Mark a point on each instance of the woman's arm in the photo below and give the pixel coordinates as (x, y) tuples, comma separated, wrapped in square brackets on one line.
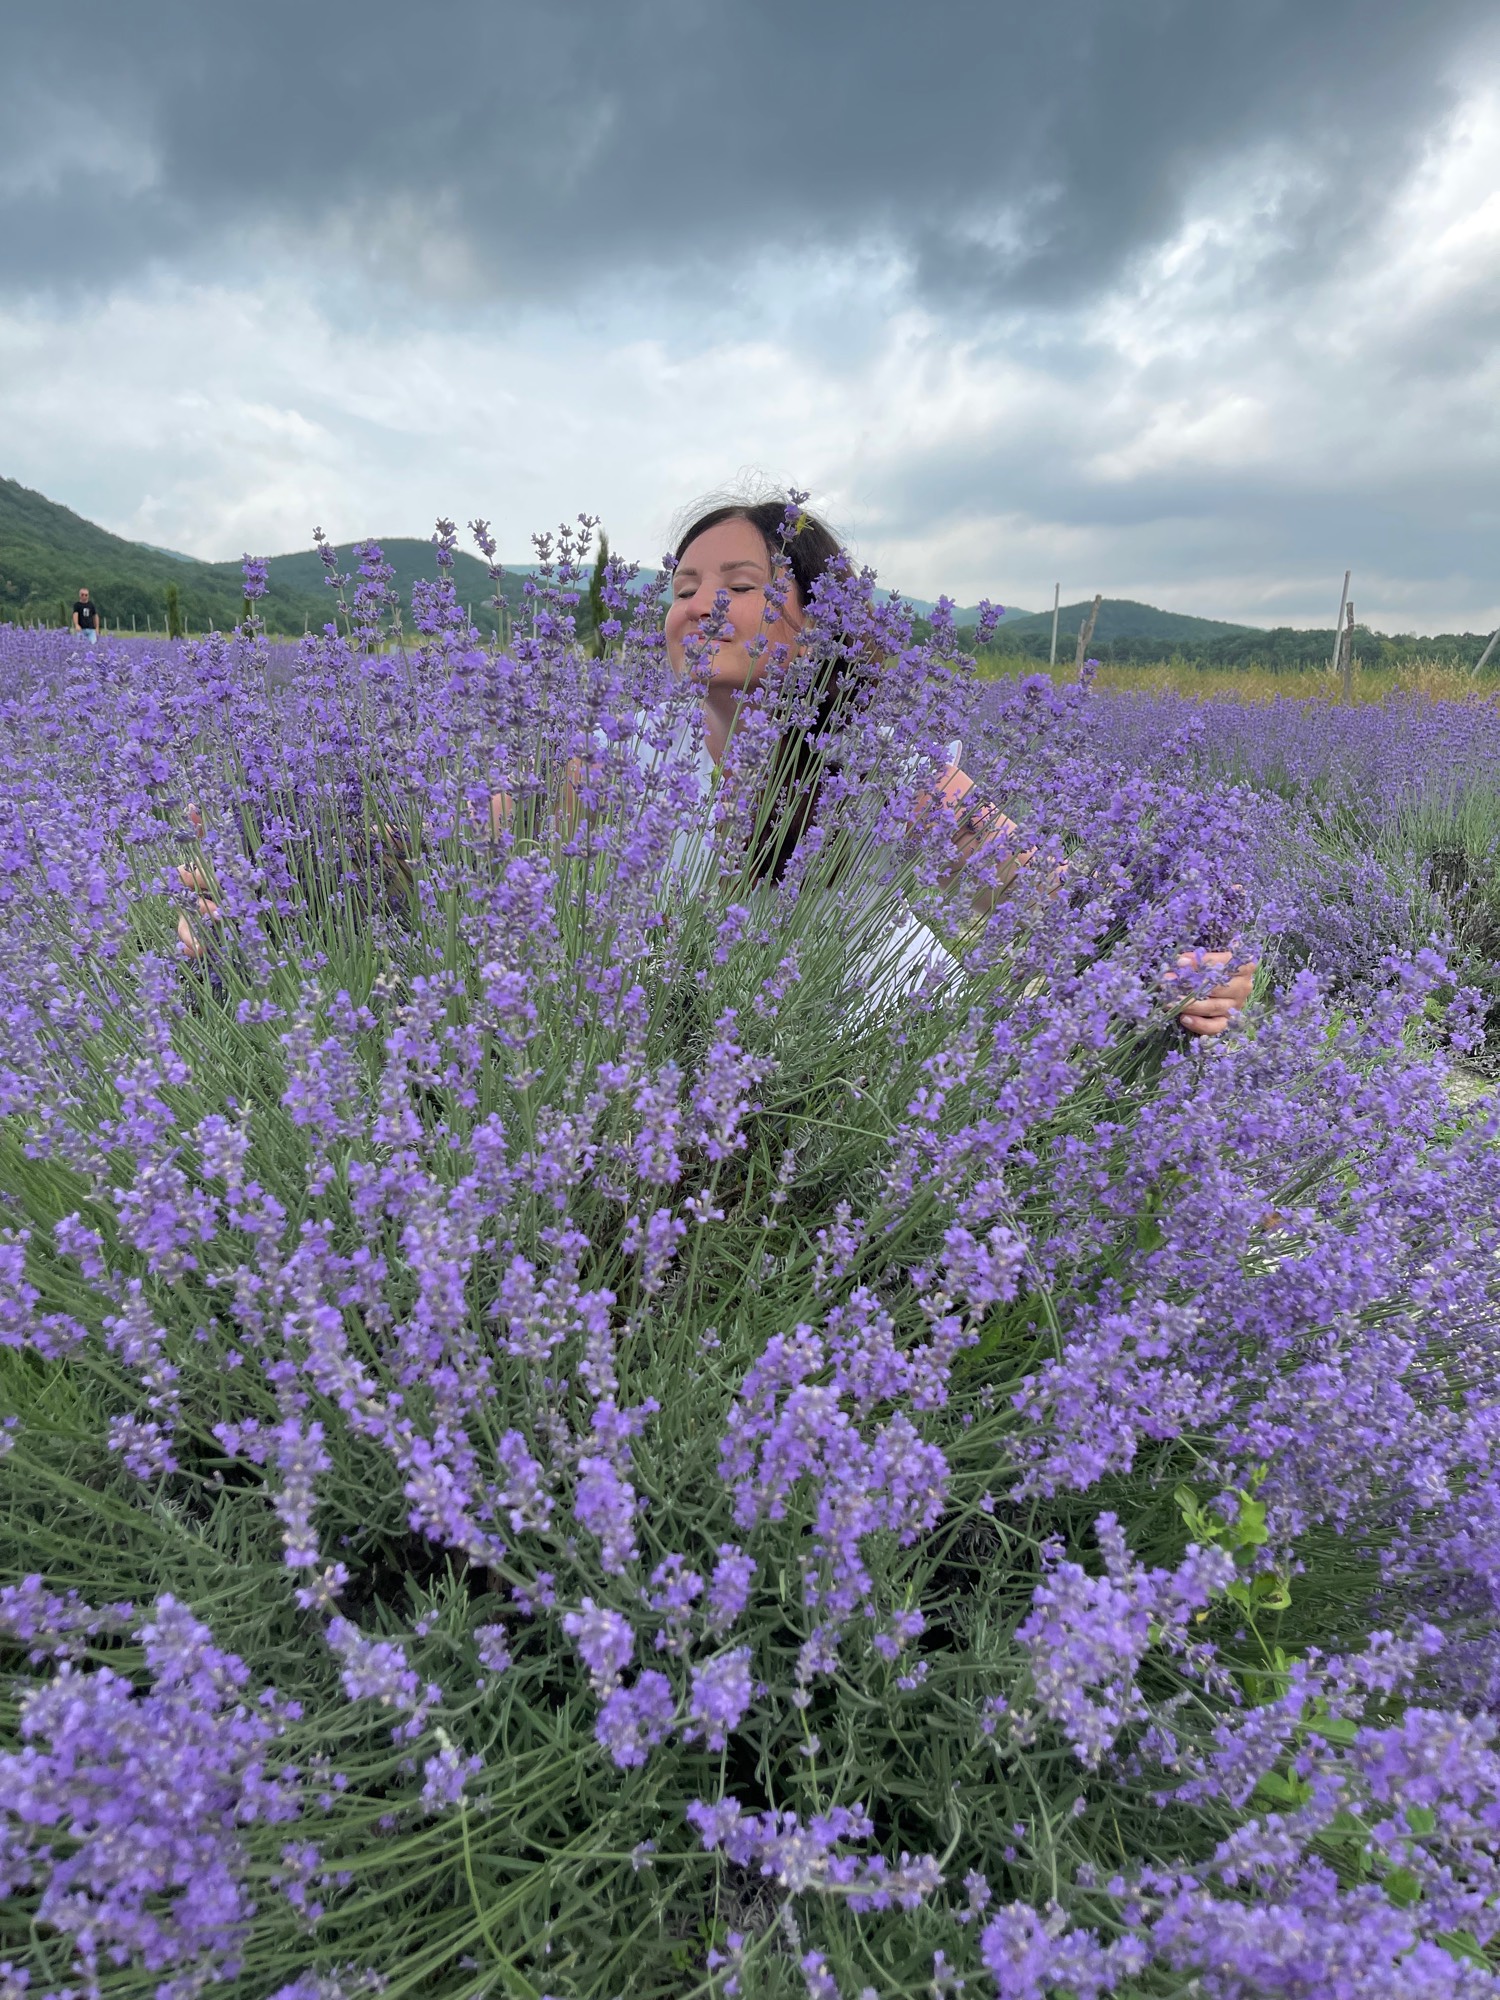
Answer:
[(391, 851), (1209, 1014), (980, 825), (195, 879), (570, 809)]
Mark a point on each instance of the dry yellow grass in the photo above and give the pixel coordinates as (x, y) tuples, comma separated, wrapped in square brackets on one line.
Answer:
[(1435, 680)]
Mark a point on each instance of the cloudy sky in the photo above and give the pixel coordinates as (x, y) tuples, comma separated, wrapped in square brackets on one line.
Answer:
[(1196, 301)]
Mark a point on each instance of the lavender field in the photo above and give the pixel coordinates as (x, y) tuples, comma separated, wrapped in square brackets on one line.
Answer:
[(577, 1422), (1375, 829)]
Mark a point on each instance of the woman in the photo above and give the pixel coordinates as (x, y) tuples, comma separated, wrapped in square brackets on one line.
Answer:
[(744, 577), (725, 563)]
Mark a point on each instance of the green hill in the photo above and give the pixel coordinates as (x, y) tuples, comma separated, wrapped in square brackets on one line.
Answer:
[(1121, 622), (964, 615), (47, 551), (300, 576)]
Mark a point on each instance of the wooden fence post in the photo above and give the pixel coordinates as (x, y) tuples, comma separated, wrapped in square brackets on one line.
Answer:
[(1086, 634), (1347, 638), (1056, 599), (1338, 624)]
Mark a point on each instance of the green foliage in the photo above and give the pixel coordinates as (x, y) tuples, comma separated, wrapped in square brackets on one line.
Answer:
[(1244, 1535), (546, 1883), (564, 1873), (597, 609), (1139, 635)]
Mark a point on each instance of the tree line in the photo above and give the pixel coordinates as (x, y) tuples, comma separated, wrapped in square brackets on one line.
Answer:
[(1288, 649)]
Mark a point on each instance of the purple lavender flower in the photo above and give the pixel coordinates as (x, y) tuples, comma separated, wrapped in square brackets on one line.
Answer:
[(1028, 1960), (803, 1856), (675, 1588), (633, 1720), (145, 1447), (525, 1498), (1087, 1635), (445, 1775), (604, 1504), (345, 1984), (719, 1698), (603, 1639), (149, 1791), (377, 1670), (728, 1589), (21, 1325), (491, 1644), (52, 1625)]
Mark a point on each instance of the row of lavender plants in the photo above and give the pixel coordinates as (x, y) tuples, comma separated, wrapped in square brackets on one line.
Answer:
[(1379, 824), (565, 1433)]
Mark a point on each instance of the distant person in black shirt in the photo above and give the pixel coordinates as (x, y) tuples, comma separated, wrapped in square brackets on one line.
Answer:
[(86, 617)]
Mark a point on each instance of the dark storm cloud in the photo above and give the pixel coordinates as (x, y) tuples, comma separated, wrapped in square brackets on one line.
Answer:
[(1015, 153)]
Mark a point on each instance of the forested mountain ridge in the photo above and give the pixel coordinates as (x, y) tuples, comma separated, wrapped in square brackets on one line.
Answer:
[(1119, 618), (47, 551), (302, 575)]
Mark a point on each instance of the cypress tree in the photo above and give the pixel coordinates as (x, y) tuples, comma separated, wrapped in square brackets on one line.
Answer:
[(598, 610)]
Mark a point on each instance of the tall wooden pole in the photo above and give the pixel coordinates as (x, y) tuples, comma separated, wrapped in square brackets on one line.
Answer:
[(1484, 657), (1056, 600), (1347, 637), (1338, 624), (1086, 634)]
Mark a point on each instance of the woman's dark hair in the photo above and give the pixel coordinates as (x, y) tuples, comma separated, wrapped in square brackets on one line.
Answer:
[(807, 549), (801, 544)]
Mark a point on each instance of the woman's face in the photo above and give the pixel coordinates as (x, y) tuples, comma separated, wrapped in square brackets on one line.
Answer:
[(731, 557)]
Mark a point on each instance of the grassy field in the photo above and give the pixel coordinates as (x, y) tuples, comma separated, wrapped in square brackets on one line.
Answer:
[(1438, 680)]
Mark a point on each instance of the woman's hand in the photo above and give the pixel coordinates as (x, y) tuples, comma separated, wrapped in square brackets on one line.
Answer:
[(568, 813), (390, 850), (1212, 1012), (1209, 1014), (977, 829), (194, 878), (978, 826)]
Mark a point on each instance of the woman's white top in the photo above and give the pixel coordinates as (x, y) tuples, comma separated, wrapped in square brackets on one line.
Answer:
[(906, 958)]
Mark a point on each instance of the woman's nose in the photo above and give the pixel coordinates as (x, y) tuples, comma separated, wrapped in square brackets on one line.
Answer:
[(704, 606)]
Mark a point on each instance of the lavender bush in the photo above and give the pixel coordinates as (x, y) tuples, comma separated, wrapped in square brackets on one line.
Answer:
[(574, 1428), (1379, 825)]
